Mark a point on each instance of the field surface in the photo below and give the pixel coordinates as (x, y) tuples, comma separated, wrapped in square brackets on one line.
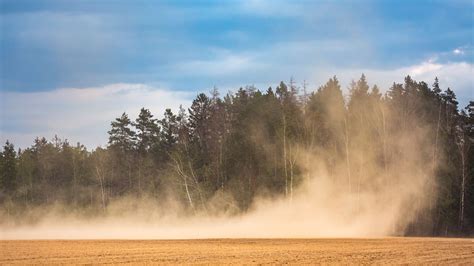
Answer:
[(241, 251)]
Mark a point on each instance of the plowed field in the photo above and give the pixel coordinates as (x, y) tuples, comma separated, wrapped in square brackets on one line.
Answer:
[(240, 251)]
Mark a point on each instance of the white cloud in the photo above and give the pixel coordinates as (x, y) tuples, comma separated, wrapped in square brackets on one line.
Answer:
[(424, 68), (77, 114), (231, 71), (84, 114), (458, 51), (459, 76)]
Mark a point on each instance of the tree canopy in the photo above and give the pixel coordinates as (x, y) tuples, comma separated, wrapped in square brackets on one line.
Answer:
[(253, 141)]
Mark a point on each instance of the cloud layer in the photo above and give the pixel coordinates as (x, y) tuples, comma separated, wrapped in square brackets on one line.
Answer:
[(80, 115), (47, 46), (55, 44), (84, 114)]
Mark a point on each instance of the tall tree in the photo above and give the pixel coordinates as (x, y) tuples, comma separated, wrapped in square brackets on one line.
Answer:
[(8, 168), (198, 124), (169, 132), (147, 133), (199, 114), (121, 135), (122, 142)]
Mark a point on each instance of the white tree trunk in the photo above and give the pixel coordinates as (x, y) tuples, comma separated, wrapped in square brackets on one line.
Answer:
[(185, 181), (190, 200), (348, 163), (285, 156), (101, 182), (292, 166)]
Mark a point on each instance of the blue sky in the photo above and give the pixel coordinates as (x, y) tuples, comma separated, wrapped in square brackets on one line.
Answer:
[(75, 65)]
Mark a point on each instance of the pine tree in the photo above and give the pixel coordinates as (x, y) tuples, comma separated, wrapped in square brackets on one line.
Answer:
[(121, 135), (169, 130), (199, 114), (147, 131), (435, 88), (122, 143), (8, 168)]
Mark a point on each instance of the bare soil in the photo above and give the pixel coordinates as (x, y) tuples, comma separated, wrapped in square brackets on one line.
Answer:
[(240, 251)]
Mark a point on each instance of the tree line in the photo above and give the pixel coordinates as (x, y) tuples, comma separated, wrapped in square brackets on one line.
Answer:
[(251, 141)]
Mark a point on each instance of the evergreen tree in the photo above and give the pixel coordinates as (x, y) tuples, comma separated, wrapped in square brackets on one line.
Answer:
[(122, 143), (436, 89), (147, 134), (169, 125), (121, 135), (8, 168), (199, 114)]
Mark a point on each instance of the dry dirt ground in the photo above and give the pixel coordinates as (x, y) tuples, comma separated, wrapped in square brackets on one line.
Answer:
[(241, 251)]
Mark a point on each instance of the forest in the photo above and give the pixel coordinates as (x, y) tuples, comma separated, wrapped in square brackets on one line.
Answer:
[(255, 143)]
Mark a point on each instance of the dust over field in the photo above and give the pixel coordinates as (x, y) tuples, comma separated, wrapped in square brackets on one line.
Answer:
[(243, 251)]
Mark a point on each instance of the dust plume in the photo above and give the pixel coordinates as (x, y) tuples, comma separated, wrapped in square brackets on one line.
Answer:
[(370, 175)]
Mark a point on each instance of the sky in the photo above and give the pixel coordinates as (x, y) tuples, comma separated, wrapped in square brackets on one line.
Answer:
[(71, 67)]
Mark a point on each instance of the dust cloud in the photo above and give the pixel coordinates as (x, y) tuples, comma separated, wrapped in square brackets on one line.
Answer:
[(373, 187), (320, 208)]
